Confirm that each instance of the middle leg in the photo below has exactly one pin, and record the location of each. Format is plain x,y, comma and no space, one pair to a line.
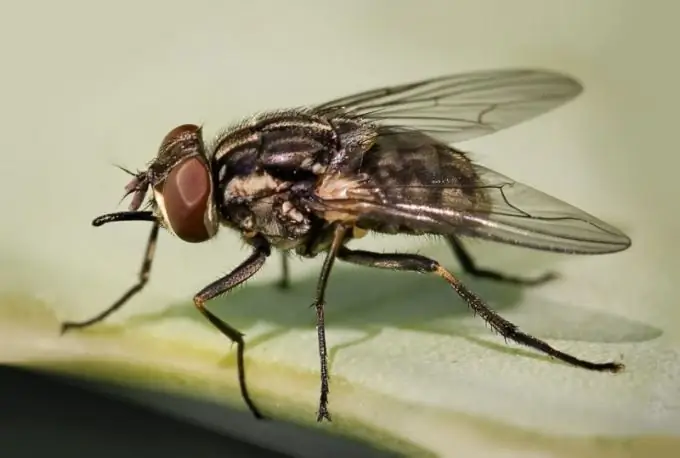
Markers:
284,279
319,302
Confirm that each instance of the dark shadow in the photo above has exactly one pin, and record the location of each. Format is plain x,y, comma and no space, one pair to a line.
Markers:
369,300
57,416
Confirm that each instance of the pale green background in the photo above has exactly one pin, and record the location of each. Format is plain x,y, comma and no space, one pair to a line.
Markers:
90,84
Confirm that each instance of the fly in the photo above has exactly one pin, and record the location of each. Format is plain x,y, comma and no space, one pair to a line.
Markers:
310,180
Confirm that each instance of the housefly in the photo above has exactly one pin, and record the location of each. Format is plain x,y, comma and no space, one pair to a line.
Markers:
310,180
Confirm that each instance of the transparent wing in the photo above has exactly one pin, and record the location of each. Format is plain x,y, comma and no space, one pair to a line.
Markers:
519,214
463,106
495,208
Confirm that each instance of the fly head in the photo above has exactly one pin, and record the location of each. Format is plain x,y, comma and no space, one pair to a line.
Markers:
180,180
182,185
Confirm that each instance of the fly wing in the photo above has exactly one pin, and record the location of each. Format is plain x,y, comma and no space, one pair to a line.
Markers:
463,106
410,184
518,214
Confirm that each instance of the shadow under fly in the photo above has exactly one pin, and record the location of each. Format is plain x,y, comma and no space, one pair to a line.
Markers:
310,180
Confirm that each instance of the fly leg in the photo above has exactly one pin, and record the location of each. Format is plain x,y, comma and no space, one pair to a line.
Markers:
338,239
284,280
471,268
421,264
144,274
240,274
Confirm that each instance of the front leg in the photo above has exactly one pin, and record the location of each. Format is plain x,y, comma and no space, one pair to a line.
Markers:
143,276
242,273
421,264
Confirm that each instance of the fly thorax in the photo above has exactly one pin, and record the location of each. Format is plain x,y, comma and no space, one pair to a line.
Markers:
251,186
259,202
295,222
313,165
276,218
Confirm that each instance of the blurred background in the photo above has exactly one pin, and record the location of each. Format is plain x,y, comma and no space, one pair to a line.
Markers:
88,85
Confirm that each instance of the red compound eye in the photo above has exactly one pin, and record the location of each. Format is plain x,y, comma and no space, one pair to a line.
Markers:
186,194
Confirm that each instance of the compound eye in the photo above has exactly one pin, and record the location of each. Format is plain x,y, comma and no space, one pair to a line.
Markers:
179,132
186,194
